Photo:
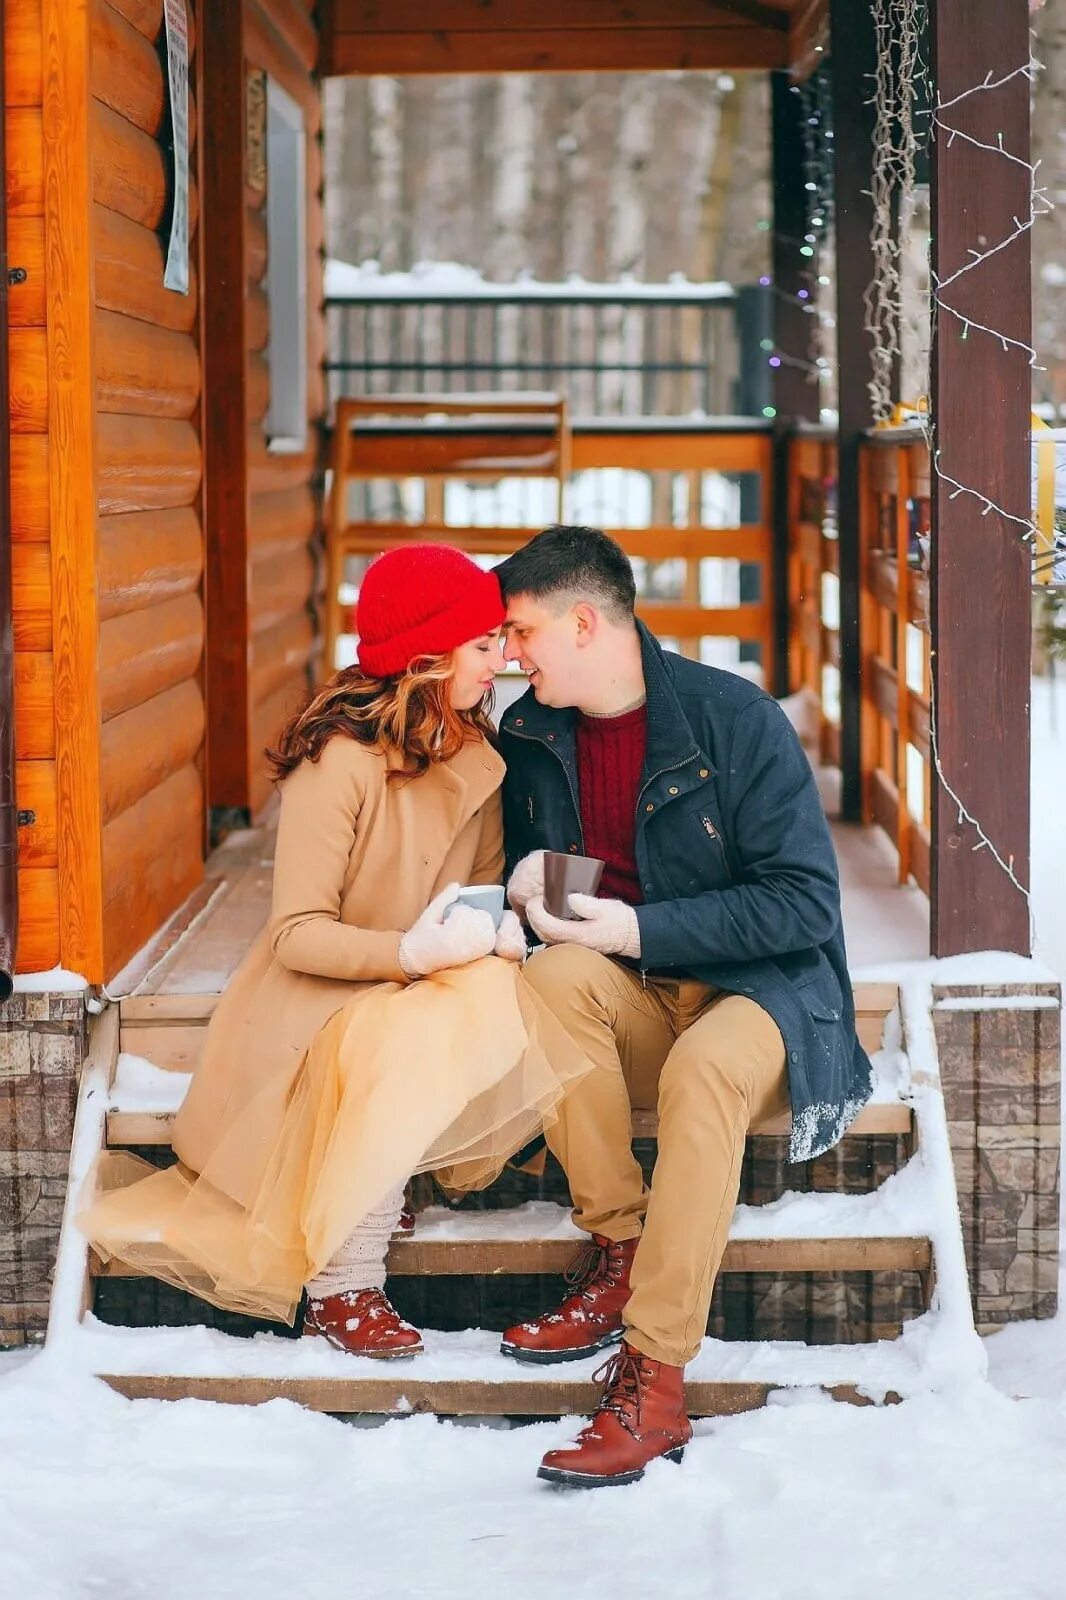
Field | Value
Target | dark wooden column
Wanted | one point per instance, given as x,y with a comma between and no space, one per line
795,397
225,425
981,402
852,63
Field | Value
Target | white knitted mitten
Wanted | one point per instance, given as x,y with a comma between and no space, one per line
609,926
510,940
526,881
431,944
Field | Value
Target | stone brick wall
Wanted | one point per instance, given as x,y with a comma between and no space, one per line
999,1049
42,1048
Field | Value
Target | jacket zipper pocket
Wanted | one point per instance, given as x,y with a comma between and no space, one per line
709,827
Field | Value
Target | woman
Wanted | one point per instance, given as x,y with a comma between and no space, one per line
371,1031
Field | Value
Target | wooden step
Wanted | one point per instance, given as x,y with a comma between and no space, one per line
415,1258
168,1029
464,1373
142,1127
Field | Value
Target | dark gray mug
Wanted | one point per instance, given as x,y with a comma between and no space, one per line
565,875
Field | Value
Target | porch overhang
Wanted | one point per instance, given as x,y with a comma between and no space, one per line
401,37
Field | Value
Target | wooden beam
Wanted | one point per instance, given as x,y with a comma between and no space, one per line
853,62
365,36
72,480
225,431
980,597
795,397
808,37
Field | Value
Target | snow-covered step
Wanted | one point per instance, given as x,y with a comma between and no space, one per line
885,1230
464,1373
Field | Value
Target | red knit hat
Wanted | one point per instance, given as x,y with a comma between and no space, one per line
422,600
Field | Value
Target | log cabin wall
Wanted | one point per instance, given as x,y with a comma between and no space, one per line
263,505
39,944
150,531
284,489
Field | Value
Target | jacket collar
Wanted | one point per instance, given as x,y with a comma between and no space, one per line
670,739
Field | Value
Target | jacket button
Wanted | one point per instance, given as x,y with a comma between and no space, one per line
573,849
674,789
519,722
703,770
648,887
649,806
793,1055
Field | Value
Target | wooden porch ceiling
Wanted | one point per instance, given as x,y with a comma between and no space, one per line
400,37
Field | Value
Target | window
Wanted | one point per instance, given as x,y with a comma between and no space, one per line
286,275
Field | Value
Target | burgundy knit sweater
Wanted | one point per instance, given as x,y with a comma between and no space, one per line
610,758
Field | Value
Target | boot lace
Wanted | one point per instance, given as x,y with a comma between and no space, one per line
623,1386
594,1262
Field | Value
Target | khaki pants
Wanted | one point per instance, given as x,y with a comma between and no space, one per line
713,1065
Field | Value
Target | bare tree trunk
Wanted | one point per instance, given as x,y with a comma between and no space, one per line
1049,234
385,116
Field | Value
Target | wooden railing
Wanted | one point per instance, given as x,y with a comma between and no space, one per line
813,582
668,521
895,737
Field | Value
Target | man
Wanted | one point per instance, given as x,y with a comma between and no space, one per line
707,979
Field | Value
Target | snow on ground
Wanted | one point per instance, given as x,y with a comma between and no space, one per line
956,1495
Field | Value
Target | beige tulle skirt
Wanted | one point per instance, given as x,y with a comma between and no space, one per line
452,1075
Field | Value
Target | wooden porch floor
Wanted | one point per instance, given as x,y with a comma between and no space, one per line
203,943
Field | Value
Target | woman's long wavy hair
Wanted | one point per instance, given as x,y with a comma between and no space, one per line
410,715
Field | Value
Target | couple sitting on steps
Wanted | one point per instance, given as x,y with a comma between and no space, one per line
376,1028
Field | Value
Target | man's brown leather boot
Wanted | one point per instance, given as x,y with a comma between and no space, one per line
590,1317
641,1417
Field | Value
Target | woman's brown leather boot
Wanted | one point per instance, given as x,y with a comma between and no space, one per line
362,1323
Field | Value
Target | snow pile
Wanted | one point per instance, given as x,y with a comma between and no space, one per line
448,280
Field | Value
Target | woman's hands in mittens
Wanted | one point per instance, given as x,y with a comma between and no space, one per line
510,940
431,943
526,882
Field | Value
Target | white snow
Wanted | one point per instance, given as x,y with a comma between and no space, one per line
57,980
141,1086
448,280
957,1494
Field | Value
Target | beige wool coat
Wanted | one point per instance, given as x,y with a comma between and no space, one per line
358,860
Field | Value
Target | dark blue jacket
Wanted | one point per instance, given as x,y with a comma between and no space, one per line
736,862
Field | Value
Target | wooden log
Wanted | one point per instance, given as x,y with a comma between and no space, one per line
265,723
129,274
280,585
142,748
147,557
28,380
130,171
255,245
258,387
23,79
146,652
35,711
35,785
277,471
257,319
145,370
127,70
285,518
146,463
280,655
152,860
25,162
147,17
25,250
29,486
31,594
39,947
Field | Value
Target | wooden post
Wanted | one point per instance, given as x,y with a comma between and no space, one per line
795,397
72,487
225,438
980,590
852,63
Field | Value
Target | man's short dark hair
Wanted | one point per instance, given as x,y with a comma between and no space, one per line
572,561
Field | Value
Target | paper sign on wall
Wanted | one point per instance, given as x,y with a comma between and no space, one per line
176,275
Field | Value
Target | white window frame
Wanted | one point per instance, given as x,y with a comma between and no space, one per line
286,275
